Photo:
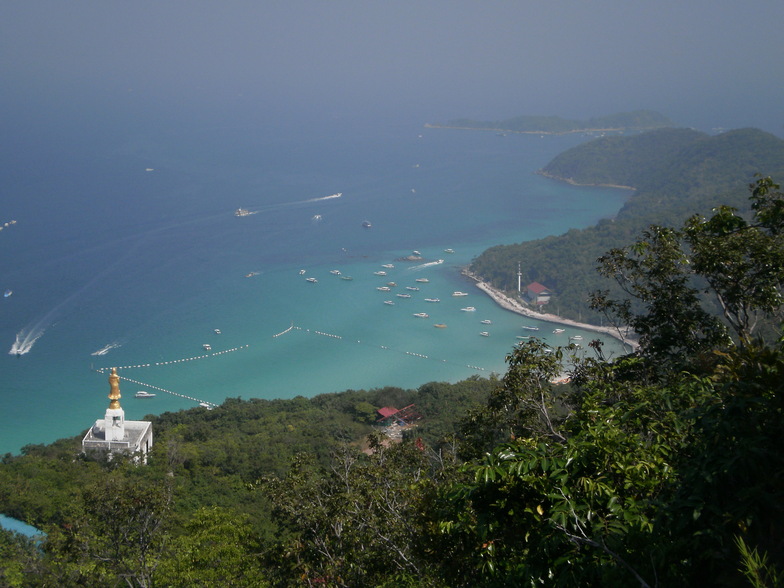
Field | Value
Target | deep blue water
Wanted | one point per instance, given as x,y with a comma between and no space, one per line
107,253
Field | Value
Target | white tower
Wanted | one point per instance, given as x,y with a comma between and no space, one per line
519,278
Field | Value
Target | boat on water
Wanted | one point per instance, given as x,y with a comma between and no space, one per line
421,315
347,278
379,273
366,224
311,280
144,394
217,331
417,253
251,274
432,300
403,295
391,284
388,266
383,288
335,272
389,302
7,293
242,212
484,334
412,288
557,331
449,250
458,293
422,280
440,326
302,272
206,405
207,347
576,337
527,328
468,309
487,322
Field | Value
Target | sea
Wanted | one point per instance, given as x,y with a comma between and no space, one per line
127,252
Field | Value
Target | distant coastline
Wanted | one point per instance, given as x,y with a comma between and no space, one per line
532,132
545,174
508,303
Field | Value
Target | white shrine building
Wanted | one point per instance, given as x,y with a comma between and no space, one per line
113,433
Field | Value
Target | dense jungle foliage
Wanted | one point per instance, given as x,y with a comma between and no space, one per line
675,172
660,468
639,119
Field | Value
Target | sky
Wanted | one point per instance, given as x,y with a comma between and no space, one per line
702,63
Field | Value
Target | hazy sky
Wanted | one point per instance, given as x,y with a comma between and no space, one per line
702,62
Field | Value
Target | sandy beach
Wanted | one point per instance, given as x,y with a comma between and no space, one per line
516,306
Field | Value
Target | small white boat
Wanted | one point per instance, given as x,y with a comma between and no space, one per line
412,288
335,272
421,315
311,280
422,280
449,250
484,334
383,288
388,265
302,272
432,300
7,293
417,253
347,278
389,302
380,273
144,394
487,322
577,338
217,331
468,309
391,284
207,347
527,328
558,331
458,293
206,405
403,295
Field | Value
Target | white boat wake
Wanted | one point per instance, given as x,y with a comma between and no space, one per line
25,340
338,195
428,264
106,349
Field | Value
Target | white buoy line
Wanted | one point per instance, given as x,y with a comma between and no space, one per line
385,347
175,361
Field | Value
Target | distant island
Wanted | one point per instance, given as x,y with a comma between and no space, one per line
555,125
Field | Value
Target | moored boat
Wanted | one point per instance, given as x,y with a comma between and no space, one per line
421,315
144,394
468,309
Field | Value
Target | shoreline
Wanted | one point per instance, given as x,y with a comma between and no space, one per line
508,303
572,182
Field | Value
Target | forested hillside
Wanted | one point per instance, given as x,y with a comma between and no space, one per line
660,468
675,172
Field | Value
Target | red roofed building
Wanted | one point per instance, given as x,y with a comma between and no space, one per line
405,416
537,293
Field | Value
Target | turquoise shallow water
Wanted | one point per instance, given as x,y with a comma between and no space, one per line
136,248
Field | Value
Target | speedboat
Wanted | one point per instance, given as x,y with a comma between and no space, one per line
421,315
302,272
449,250
8,293
468,309
403,295
440,326
347,278
389,302
144,394
484,334
412,288
422,280
217,331
458,293
383,288
557,331
487,322
311,280
379,273
527,328
432,300
388,265
366,224
207,347
335,272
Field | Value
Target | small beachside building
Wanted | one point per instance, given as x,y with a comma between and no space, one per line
113,434
538,294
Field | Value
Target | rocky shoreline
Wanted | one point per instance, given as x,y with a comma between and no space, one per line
508,303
